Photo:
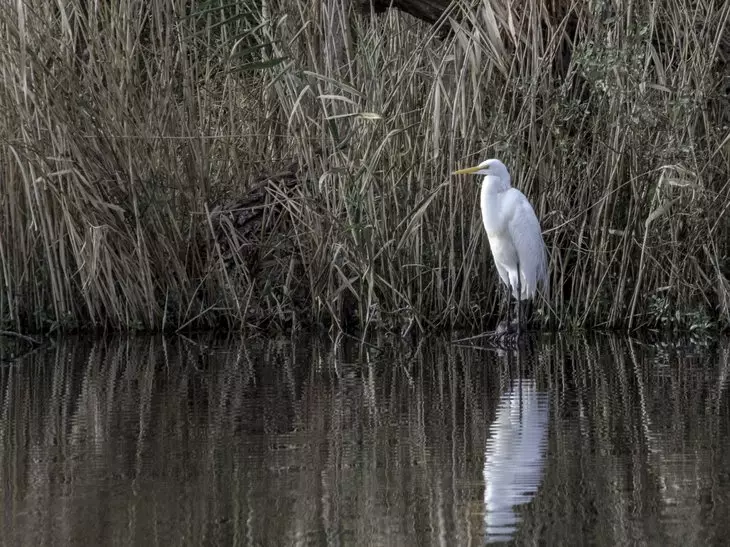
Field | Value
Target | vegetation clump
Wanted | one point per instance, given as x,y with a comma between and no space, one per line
133,136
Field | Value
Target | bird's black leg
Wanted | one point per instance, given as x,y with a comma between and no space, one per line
509,305
527,310
519,300
503,326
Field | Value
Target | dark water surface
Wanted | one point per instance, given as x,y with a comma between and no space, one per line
170,441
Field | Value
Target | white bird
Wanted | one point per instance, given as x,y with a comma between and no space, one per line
514,234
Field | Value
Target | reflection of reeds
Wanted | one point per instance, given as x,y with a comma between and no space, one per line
276,442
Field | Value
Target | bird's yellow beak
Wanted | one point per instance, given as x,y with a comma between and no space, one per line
467,171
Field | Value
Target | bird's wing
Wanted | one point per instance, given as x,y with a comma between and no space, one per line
524,230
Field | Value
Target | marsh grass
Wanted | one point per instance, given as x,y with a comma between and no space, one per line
124,126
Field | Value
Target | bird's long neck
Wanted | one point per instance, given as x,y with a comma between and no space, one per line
492,213
494,185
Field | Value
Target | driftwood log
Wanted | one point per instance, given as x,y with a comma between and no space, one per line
426,10
252,245
242,226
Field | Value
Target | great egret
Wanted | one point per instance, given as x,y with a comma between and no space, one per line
514,234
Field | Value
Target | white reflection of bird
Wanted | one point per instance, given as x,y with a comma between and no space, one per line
514,456
514,234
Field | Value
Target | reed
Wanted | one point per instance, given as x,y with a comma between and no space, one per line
124,126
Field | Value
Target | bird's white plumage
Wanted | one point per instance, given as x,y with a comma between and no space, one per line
513,231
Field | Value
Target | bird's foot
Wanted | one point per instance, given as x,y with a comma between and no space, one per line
508,328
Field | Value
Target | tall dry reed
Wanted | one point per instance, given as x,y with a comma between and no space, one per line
124,125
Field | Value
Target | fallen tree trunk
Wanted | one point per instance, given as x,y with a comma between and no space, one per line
426,10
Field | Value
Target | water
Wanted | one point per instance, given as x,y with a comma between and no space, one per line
143,441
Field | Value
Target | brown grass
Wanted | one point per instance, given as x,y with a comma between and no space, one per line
125,125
